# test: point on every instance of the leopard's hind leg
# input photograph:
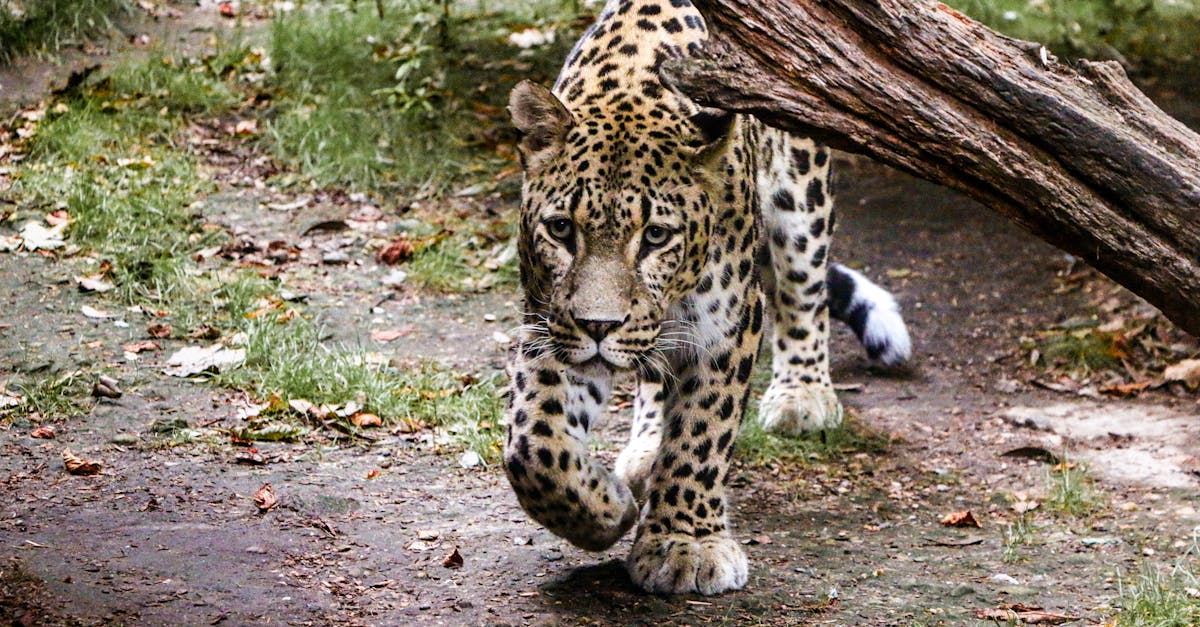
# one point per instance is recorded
(796, 205)
(804, 290)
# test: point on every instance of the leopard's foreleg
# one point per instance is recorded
(546, 457)
(684, 543)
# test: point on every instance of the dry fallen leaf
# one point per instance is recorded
(453, 560)
(398, 251)
(106, 387)
(387, 335)
(374, 472)
(159, 330)
(93, 313)
(363, 419)
(204, 332)
(1023, 506)
(246, 127)
(1126, 389)
(79, 466)
(1187, 371)
(43, 433)
(1024, 614)
(141, 346)
(265, 499)
(963, 518)
(197, 359)
(55, 218)
(94, 283)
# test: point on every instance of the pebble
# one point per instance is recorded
(336, 257)
(394, 278)
(470, 459)
(125, 439)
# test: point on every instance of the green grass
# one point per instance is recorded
(48, 25)
(1071, 492)
(112, 156)
(1016, 535)
(409, 101)
(49, 396)
(288, 360)
(1142, 31)
(1157, 599)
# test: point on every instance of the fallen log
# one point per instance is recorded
(1073, 153)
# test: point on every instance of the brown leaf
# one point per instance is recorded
(1026, 615)
(246, 127)
(400, 250)
(963, 518)
(265, 499)
(106, 387)
(1127, 389)
(363, 419)
(374, 472)
(159, 330)
(387, 335)
(56, 218)
(94, 283)
(204, 332)
(141, 346)
(79, 466)
(43, 433)
(453, 560)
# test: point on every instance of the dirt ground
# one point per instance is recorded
(169, 535)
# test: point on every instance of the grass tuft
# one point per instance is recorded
(1071, 491)
(1155, 599)
(48, 25)
(407, 101)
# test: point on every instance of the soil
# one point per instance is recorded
(170, 535)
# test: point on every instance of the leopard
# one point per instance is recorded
(659, 241)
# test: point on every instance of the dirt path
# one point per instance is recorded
(169, 534)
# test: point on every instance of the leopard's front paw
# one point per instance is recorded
(677, 563)
(801, 409)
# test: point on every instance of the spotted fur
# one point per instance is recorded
(642, 218)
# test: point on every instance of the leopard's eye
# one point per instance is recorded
(560, 229)
(655, 236)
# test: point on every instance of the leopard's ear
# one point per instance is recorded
(715, 127)
(542, 121)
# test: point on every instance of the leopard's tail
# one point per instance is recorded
(872, 313)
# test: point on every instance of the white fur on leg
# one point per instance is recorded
(678, 564)
(793, 410)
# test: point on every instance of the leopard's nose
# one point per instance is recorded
(598, 329)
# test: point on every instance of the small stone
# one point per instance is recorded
(125, 439)
(470, 459)
(1003, 578)
(489, 317)
(335, 258)
(256, 549)
(394, 278)
(427, 535)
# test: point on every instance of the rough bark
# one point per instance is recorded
(1077, 155)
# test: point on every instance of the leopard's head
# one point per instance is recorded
(617, 213)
